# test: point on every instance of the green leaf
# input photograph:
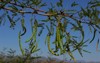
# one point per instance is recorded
(48, 44)
(44, 4)
(2, 4)
(60, 3)
(22, 5)
(20, 45)
(30, 38)
(94, 34)
(41, 25)
(78, 27)
(65, 24)
(79, 50)
(93, 2)
(71, 55)
(31, 23)
(49, 32)
(95, 5)
(98, 26)
(34, 47)
(81, 30)
(40, 32)
(0, 22)
(36, 2)
(74, 26)
(15, 0)
(59, 38)
(23, 26)
(11, 21)
(47, 20)
(81, 15)
(36, 50)
(84, 45)
(85, 13)
(34, 33)
(74, 4)
(14, 7)
(2, 18)
(86, 51)
(52, 28)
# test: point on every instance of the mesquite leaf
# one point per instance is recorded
(23, 26)
(11, 21)
(40, 32)
(20, 45)
(93, 36)
(34, 34)
(48, 44)
(70, 53)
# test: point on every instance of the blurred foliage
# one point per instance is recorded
(59, 23)
(9, 56)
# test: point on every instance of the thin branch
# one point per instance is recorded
(27, 7)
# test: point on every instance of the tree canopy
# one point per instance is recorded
(68, 27)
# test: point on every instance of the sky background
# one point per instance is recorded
(9, 37)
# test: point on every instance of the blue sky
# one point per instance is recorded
(9, 37)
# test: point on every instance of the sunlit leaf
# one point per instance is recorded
(59, 39)
(34, 48)
(71, 55)
(49, 48)
(34, 33)
(65, 26)
(20, 45)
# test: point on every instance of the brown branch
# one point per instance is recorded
(44, 13)
(34, 9)
(27, 7)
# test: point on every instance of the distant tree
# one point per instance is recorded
(68, 27)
